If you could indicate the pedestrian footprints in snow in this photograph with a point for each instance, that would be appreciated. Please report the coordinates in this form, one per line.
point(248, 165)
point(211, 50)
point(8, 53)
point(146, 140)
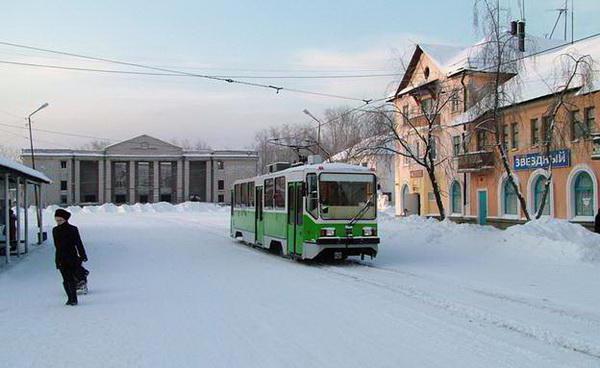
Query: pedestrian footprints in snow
point(70, 254)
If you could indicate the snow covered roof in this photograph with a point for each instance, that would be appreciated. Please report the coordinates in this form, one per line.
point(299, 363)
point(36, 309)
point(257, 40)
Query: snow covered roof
point(23, 170)
point(541, 74)
point(455, 59)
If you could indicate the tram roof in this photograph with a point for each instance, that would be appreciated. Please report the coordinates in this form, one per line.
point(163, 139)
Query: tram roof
point(322, 167)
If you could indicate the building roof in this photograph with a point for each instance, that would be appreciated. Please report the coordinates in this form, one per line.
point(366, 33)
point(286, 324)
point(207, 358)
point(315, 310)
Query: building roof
point(451, 60)
point(542, 74)
point(12, 166)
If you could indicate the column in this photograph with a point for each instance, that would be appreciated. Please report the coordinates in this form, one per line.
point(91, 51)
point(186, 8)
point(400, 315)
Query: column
point(156, 188)
point(26, 214)
point(209, 179)
point(7, 219)
point(40, 214)
point(186, 180)
point(18, 214)
point(108, 181)
point(77, 182)
point(132, 182)
point(179, 186)
point(100, 181)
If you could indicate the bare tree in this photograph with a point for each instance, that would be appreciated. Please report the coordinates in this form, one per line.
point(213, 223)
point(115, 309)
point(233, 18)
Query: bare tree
point(576, 72)
point(11, 153)
point(415, 132)
point(96, 145)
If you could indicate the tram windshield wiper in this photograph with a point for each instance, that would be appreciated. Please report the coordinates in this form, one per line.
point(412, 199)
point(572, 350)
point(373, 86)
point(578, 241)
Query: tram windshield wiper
point(362, 210)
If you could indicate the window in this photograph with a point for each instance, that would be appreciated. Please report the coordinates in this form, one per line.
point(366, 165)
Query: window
point(221, 198)
point(279, 196)
point(505, 136)
point(456, 198)
point(220, 165)
point(90, 198)
point(63, 199)
point(426, 106)
point(465, 143)
point(244, 199)
point(251, 194)
point(514, 131)
point(481, 140)
point(63, 164)
point(535, 132)
point(510, 198)
point(577, 128)
point(455, 101)
point(584, 194)
point(120, 198)
point(405, 114)
point(590, 120)
point(433, 147)
point(237, 193)
point(547, 122)
point(456, 145)
point(63, 185)
point(312, 202)
point(221, 185)
point(269, 189)
point(538, 192)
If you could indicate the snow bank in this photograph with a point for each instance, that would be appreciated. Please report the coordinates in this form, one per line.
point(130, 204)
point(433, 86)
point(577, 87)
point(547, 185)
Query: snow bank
point(555, 239)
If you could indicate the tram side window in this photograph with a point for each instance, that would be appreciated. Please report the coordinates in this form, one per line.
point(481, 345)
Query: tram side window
point(238, 195)
point(279, 196)
point(251, 194)
point(312, 200)
point(244, 194)
point(269, 193)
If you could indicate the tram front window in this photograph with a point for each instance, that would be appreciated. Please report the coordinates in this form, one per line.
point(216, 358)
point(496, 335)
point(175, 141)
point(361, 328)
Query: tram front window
point(344, 196)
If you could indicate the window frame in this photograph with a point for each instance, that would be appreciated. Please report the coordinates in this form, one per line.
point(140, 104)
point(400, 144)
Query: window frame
point(514, 136)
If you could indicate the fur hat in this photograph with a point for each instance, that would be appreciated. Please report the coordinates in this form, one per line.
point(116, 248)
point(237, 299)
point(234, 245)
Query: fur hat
point(62, 213)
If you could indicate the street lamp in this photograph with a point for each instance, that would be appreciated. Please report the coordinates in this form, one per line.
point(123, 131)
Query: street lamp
point(318, 129)
point(30, 135)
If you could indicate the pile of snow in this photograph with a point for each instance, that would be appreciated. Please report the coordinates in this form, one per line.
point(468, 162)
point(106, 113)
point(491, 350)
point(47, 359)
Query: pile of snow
point(555, 239)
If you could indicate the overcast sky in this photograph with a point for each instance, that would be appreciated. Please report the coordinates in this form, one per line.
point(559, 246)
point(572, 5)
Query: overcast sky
point(236, 38)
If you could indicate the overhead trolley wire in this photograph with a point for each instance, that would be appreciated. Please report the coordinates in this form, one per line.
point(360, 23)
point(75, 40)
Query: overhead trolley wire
point(230, 80)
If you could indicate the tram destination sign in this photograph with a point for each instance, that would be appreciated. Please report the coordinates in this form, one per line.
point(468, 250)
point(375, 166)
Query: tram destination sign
point(531, 161)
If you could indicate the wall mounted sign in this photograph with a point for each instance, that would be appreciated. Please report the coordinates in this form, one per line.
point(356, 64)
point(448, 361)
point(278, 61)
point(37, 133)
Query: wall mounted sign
point(416, 174)
point(531, 161)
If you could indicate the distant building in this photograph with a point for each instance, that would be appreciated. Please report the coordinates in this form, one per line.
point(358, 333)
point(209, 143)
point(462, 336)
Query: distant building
point(141, 170)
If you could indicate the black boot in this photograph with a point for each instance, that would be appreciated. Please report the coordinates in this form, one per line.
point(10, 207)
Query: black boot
point(71, 290)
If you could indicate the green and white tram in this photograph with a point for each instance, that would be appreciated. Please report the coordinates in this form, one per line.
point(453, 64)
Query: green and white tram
point(326, 210)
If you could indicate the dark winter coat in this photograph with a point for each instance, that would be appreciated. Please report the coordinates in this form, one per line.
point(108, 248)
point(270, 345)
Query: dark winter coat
point(597, 223)
point(69, 248)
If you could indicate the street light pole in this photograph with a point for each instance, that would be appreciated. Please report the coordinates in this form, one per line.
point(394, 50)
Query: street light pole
point(31, 135)
point(318, 128)
point(35, 188)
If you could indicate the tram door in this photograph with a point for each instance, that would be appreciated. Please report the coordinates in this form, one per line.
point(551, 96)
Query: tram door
point(259, 223)
point(295, 234)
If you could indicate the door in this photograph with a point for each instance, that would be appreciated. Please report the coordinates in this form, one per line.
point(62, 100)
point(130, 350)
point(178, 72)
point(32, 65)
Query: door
point(482, 205)
point(259, 220)
point(295, 233)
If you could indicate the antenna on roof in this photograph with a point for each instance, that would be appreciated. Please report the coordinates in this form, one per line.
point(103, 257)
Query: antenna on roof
point(562, 11)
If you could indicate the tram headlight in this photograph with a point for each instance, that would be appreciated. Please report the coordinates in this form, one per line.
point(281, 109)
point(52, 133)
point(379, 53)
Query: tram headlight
point(327, 231)
point(369, 231)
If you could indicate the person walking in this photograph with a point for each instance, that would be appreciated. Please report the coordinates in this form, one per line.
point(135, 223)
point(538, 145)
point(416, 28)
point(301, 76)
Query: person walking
point(597, 222)
point(69, 253)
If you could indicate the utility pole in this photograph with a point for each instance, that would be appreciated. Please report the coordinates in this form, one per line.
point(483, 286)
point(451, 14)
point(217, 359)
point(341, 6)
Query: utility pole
point(30, 134)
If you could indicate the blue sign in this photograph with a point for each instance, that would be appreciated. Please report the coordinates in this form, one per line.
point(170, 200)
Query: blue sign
point(560, 158)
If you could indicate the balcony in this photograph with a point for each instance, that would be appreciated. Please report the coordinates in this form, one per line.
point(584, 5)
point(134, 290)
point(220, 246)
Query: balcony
point(421, 120)
point(596, 148)
point(475, 161)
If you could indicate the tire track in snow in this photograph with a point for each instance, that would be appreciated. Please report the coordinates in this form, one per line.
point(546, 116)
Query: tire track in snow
point(554, 309)
point(466, 311)
point(472, 312)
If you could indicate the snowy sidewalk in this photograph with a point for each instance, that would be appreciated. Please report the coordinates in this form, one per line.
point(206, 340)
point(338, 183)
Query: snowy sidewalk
point(170, 289)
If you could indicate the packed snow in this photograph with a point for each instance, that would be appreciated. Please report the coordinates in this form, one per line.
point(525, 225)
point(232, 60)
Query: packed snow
point(169, 288)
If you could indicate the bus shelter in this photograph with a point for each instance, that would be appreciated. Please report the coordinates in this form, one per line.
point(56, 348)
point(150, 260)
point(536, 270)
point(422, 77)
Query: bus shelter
point(19, 185)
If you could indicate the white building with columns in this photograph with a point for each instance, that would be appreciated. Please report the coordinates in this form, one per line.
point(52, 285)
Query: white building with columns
point(141, 170)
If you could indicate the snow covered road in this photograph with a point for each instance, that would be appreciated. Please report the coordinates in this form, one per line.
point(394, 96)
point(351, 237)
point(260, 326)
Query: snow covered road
point(170, 289)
